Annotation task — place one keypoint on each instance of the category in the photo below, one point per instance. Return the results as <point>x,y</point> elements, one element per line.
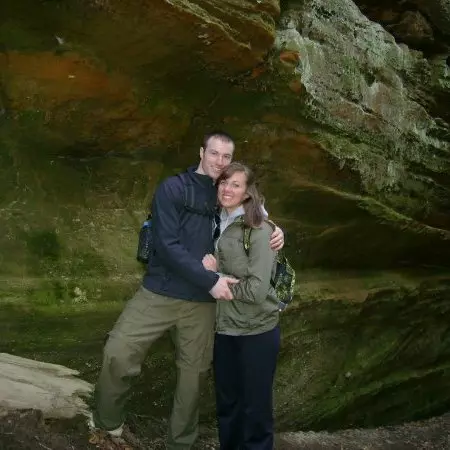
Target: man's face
<point>215,157</point>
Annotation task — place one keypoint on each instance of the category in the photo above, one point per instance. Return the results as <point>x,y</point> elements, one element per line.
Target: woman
<point>247,334</point>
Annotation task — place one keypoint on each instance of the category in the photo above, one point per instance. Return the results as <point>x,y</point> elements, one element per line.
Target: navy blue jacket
<point>181,238</point>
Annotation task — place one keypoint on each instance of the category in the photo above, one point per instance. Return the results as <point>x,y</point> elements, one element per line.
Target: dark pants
<point>244,369</point>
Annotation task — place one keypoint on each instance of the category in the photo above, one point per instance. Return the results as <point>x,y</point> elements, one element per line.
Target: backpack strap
<point>283,280</point>
<point>246,239</point>
<point>190,203</point>
<point>246,242</point>
<point>189,195</point>
<point>248,233</point>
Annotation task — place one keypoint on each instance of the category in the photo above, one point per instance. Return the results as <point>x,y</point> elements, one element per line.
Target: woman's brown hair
<point>253,216</point>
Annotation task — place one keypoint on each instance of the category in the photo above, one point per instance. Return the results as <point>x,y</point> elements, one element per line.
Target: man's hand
<point>209,262</point>
<point>221,290</point>
<point>277,239</point>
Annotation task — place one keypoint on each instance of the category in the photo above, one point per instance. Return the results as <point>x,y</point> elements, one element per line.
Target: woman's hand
<point>209,262</point>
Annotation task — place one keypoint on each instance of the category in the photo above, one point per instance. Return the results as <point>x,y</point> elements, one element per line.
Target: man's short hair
<point>221,135</point>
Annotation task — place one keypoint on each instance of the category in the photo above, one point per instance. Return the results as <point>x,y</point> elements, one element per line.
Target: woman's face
<point>233,191</point>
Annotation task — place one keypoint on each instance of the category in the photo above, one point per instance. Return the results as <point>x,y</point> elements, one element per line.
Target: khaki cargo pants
<point>145,318</point>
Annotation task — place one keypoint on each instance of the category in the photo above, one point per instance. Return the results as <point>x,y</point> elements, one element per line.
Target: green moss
<point>51,292</point>
<point>85,264</point>
<point>23,32</point>
<point>15,36</point>
<point>43,244</point>
<point>74,335</point>
<point>358,363</point>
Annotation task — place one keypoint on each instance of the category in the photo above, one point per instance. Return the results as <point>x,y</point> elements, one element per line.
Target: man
<point>177,294</point>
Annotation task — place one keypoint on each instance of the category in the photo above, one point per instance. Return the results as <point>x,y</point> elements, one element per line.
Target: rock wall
<point>343,115</point>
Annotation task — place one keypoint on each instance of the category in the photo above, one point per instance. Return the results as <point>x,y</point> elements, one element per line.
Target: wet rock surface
<point>413,18</point>
<point>358,81</point>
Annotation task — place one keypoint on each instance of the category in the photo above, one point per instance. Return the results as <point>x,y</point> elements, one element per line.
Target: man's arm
<point>166,208</point>
<point>276,238</point>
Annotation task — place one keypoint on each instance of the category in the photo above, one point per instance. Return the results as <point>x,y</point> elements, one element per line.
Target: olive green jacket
<point>254,309</point>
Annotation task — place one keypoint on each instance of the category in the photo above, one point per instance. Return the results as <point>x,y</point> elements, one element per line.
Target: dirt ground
<point>432,434</point>
<point>27,430</point>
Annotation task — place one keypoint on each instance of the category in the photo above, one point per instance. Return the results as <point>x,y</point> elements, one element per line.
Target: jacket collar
<point>204,180</point>
<point>239,211</point>
<point>227,219</point>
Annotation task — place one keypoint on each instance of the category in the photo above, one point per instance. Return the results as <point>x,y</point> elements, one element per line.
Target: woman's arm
<point>255,286</point>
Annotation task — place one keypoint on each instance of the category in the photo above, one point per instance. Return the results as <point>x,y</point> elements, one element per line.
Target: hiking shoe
<point>117,432</point>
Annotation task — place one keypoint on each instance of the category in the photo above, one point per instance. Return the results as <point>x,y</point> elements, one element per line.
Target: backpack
<point>283,280</point>
<point>145,242</point>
